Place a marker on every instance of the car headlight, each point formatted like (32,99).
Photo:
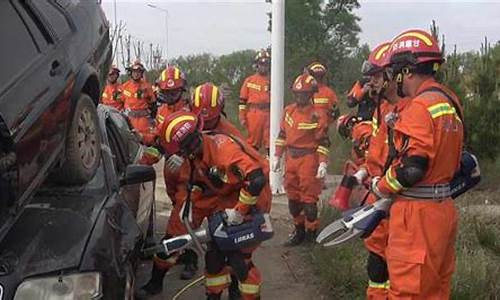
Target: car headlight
(66,287)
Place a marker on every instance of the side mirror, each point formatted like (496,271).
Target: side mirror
(138,174)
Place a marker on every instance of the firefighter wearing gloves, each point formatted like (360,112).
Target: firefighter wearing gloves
(255,103)
(138,98)
(170,89)
(112,94)
(225,174)
(325,98)
(428,138)
(304,142)
(388,106)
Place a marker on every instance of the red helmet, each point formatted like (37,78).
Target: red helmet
(376,60)
(262,57)
(414,47)
(316,69)
(178,133)
(207,102)
(114,70)
(172,78)
(305,83)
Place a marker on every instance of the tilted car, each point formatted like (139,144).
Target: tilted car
(83,242)
(54,56)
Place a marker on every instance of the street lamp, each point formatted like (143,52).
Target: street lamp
(166,26)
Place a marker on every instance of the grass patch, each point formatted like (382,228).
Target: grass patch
(342,269)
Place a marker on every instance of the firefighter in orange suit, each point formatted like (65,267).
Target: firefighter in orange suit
(170,96)
(234,173)
(255,103)
(207,102)
(325,98)
(138,98)
(304,141)
(388,104)
(169,93)
(112,94)
(427,140)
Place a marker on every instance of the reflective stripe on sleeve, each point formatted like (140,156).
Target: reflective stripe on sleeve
(246,198)
(393,183)
(307,125)
(323,150)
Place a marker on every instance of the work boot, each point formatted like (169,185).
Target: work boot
(154,286)
(214,296)
(311,237)
(297,237)
(190,261)
(234,289)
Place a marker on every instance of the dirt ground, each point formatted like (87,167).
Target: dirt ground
(286,273)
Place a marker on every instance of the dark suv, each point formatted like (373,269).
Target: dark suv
(54,59)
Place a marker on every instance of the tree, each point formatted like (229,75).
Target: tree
(318,31)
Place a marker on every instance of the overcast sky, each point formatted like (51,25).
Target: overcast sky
(223,26)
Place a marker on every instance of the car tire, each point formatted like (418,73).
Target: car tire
(83,143)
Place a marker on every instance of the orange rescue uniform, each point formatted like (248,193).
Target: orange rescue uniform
(376,157)
(222,153)
(254,109)
(112,96)
(233,162)
(137,99)
(420,251)
(176,183)
(326,99)
(303,137)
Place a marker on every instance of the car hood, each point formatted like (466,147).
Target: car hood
(52,231)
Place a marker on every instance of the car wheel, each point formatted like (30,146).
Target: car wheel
(83,145)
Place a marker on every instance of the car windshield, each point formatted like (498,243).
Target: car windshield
(52,230)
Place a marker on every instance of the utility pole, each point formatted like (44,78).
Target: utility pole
(277,85)
(165,11)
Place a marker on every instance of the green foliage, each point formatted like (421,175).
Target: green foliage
(317,31)
(474,78)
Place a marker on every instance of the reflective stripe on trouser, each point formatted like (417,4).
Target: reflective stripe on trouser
(217,283)
(421,248)
(258,128)
(250,288)
(377,291)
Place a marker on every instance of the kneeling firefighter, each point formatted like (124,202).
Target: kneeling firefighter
(225,174)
